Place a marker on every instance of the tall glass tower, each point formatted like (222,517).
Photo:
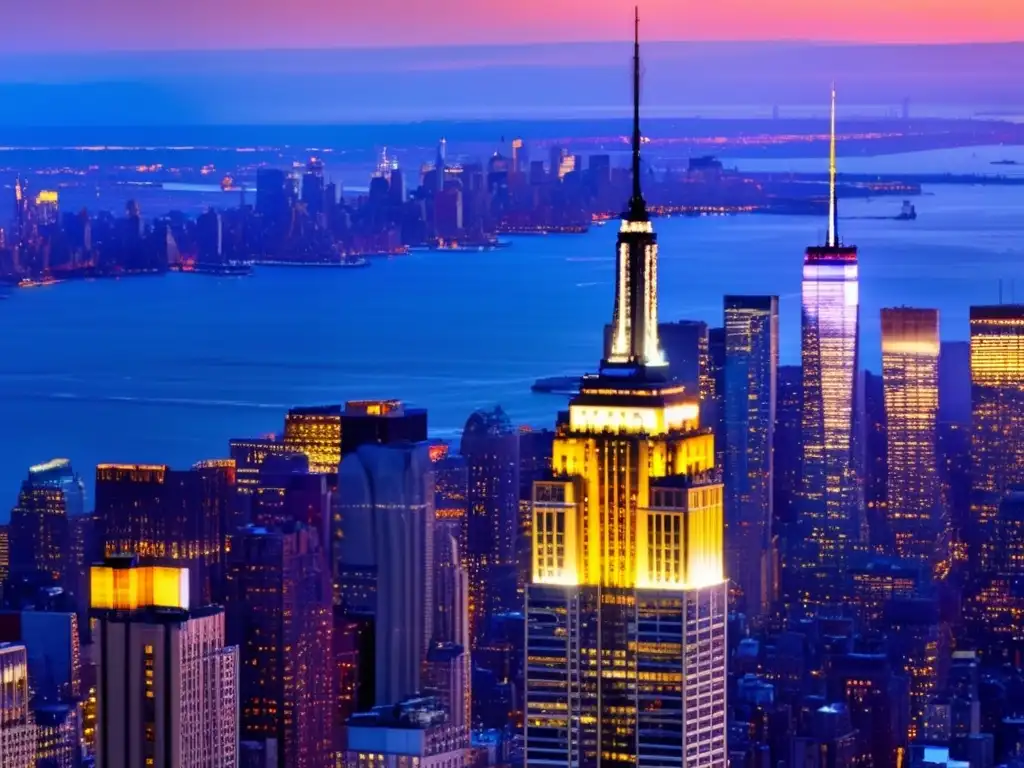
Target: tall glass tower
(830,354)
(910,378)
(626,609)
(751,371)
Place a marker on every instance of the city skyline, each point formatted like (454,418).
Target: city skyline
(231,24)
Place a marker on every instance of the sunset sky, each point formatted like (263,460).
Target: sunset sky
(103,25)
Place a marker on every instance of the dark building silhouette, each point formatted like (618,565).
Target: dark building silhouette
(279,613)
(490,446)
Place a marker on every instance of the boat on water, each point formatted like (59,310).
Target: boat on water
(908,212)
(557,385)
(1005,162)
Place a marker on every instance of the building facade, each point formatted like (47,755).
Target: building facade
(280,615)
(751,388)
(910,375)
(168,685)
(17,727)
(490,447)
(386,558)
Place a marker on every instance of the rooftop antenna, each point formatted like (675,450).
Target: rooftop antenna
(637,206)
(833,204)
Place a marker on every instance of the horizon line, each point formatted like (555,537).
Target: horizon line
(360,47)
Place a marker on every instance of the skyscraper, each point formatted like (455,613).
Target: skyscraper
(997,415)
(17,729)
(490,446)
(830,328)
(168,684)
(910,375)
(279,614)
(626,609)
(385,563)
(751,370)
(167,516)
(316,432)
(40,529)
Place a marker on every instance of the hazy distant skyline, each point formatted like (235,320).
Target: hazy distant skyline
(108,25)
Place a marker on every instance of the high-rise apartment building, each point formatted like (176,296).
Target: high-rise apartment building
(168,684)
(910,375)
(751,388)
(280,615)
(40,527)
(830,329)
(385,563)
(626,609)
(17,728)
(490,447)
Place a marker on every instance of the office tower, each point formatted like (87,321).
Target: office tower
(751,387)
(381,422)
(786,457)
(997,410)
(451,488)
(626,609)
(40,528)
(279,614)
(997,602)
(411,732)
(54,655)
(249,454)
(919,642)
(273,204)
(954,445)
(712,398)
(685,343)
(446,675)
(490,446)
(58,735)
(209,238)
(316,432)
(313,188)
(288,493)
(910,372)
(168,516)
(17,728)
(876,464)
(877,701)
(385,559)
(831,502)
(352,643)
(168,684)
(449,669)
(830,741)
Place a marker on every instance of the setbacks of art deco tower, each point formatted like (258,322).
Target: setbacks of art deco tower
(626,609)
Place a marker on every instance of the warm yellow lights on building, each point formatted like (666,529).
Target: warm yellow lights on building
(633,420)
(133,588)
(47,197)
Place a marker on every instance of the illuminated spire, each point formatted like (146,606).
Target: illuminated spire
(634,341)
(637,206)
(833,204)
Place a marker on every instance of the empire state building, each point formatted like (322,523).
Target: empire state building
(626,609)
